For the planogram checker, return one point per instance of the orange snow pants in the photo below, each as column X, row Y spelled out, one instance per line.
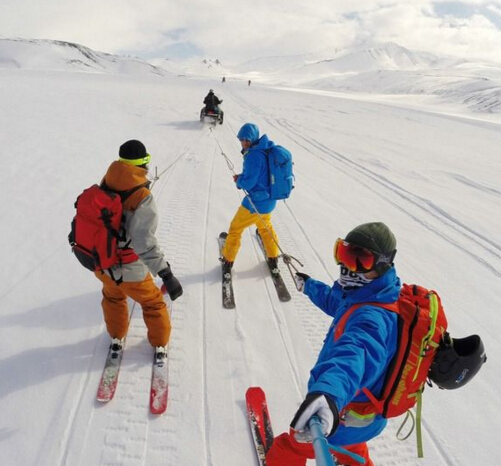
column 286, row 451
column 151, row 300
column 244, row 219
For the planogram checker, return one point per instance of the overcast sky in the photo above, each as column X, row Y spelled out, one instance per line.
column 238, row 30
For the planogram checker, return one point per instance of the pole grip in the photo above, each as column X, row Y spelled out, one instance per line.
column 323, row 456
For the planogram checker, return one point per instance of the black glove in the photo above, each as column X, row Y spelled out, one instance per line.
column 315, row 404
column 300, row 279
column 171, row 283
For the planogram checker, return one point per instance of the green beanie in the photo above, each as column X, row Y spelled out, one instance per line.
column 377, row 237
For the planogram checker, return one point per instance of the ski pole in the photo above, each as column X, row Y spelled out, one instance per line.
column 320, row 445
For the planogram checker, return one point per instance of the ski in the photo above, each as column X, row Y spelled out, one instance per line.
column 109, row 378
column 159, row 382
column 278, row 281
column 227, row 283
column 259, row 422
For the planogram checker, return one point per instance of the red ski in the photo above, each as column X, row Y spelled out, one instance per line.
column 109, row 379
column 259, row 421
column 159, row 382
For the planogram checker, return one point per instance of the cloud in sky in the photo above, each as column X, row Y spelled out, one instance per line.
column 239, row 30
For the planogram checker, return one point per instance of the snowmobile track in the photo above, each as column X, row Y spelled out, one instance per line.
column 440, row 222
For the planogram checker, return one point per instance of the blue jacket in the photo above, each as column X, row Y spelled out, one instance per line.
column 255, row 178
column 360, row 357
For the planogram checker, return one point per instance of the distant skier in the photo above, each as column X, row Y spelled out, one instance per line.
column 256, row 208
column 223, row 80
column 134, row 279
column 249, row 82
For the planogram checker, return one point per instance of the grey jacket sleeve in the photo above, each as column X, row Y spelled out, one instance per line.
column 141, row 226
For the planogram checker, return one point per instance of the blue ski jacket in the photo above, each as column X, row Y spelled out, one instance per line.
column 361, row 355
column 255, row 178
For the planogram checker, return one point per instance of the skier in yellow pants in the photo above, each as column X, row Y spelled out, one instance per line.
column 257, row 206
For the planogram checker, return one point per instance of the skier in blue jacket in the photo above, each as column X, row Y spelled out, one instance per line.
column 356, row 358
column 256, row 208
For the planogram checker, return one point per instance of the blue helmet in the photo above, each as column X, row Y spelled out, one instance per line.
column 249, row 132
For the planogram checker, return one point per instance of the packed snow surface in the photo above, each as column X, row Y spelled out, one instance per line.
column 429, row 170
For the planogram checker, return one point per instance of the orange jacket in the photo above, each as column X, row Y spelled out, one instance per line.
column 141, row 220
column 123, row 177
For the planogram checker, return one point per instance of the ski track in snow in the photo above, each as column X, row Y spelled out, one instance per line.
column 212, row 352
column 411, row 202
column 486, row 189
column 181, row 246
column 439, row 217
column 240, row 357
column 120, row 426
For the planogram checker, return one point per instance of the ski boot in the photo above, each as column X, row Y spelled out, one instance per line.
column 273, row 265
column 227, row 266
column 116, row 346
column 160, row 354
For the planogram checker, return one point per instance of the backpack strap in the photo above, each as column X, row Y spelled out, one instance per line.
column 419, row 436
column 427, row 340
column 121, row 235
column 434, row 311
column 125, row 194
column 339, row 330
column 116, row 280
column 341, row 324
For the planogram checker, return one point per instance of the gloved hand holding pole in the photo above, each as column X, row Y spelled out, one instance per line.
column 323, row 456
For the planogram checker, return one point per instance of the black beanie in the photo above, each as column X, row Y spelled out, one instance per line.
column 377, row 237
column 132, row 150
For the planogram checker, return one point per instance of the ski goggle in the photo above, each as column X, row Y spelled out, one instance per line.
column 358, row 259
column 137, row 162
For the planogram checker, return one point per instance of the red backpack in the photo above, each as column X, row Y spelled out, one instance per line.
column 97, row 228
column 421, row 325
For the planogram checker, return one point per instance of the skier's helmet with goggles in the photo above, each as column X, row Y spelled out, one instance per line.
column 370, row 246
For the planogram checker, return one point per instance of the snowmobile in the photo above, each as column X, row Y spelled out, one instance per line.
column 213, row 115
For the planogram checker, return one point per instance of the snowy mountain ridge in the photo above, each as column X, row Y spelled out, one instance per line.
column 68, row 56
column 355, row 59
column 387, row 69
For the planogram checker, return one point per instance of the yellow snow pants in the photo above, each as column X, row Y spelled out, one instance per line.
column 147, row 295
column 244, row 219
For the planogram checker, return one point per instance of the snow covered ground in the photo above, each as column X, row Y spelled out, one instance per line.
column 431, row 176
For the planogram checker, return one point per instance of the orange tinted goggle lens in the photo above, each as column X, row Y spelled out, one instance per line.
column 355, row 258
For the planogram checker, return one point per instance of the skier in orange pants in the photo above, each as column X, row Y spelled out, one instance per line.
column 149, row 297
column 134, row 278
